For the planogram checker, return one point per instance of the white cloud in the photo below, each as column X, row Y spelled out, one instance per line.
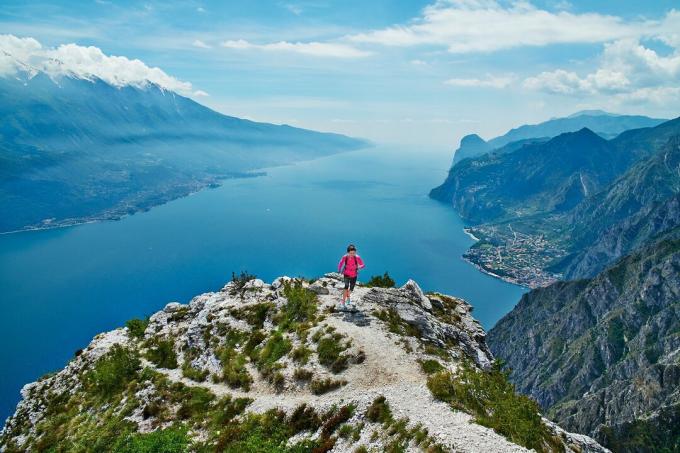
column 200, row 44
column 488, row 82
column 488, row 25
column 417, row 62
column 200, row 93
column 200, row 9
column 317, row 49
column 626, row 69
column 27, row 54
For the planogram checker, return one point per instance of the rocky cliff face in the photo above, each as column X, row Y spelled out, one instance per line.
column 260, row 367
column 602, row 355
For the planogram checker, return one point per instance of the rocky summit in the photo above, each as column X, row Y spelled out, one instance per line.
column 277, row 367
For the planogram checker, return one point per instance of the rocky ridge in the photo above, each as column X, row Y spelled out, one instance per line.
column 260, row 367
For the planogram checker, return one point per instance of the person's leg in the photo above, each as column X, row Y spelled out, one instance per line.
column 345, row 293
column 352, row 282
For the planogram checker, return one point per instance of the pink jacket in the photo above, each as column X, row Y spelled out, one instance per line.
column 350, row 266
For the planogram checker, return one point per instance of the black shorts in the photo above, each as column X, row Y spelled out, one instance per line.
column 350, row 282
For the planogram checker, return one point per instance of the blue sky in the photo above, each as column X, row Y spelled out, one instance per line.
column 410, row 72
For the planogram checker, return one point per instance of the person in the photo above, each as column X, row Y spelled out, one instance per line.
column 349, row 265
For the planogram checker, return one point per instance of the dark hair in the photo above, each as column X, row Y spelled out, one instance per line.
column 350, row 248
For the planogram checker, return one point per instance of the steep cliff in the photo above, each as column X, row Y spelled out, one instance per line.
column 602, row 355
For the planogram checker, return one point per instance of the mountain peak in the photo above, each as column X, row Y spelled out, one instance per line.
column 281, row 356
column 593, row 112
column 472, row 140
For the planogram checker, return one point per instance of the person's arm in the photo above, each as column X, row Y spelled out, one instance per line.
column 361, row 263
column 341, row 263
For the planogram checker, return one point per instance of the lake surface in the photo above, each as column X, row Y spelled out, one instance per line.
column 58, row 288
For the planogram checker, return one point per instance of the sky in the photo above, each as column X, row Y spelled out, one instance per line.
column 420, row 73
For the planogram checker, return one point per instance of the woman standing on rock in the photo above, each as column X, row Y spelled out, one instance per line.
column 349, row 265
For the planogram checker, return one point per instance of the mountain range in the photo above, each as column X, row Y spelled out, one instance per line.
column 562, row 200
column 606, row 125
column 75, row 149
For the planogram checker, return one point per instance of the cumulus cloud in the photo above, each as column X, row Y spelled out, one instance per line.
column 488, row 82
column 626, row 69
column 465, row 26
column 317, row 49
column 27, row 54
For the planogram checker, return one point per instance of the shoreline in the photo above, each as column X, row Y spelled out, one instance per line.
column 467, row 231
column 66, row 223
column 506, row 279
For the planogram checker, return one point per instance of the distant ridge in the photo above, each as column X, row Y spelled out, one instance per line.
column 605, row 124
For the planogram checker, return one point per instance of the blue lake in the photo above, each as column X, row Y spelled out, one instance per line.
column 60, row 287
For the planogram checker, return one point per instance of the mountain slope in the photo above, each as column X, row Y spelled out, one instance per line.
column 637, row 207
column 259, row 367
column 602, row 354
column 543, row 177
column 604, row 124
column 74, row 149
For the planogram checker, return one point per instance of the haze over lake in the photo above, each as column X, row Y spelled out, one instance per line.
column 60, row 287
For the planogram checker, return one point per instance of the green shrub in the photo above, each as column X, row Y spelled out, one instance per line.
column 169, row 440
column 304, row 418
column 381, row 281
column 227, row 408
column 276, row 347
column 256, row 337
column 301, row 374
column 196, row 403
column 255, row 314
column 396, row 324
column 321, row 386
column 192, row 373
column 113, row 371
column 234, row 371
column 379, row 411
column 301, row 354
column 491, row 399
column 162, row 353
column 136, row 327
column 431, row 366
column 240, row 281
column 329, row 350
column 336, row 418
column 301, row 305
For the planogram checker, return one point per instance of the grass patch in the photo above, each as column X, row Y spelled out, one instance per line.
column 234, row 371
column 431, row 366
column 194, row 374
column 169, row 440
column 330, row 352
column 395, row 323
column 255, row 314
column 445, row 309
column 162, row 353
column 113, row 371
column 302, row 374
column 492, row 400
column 301, row 306
column 136, row 327
column 321, row 386
column 301, row 354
